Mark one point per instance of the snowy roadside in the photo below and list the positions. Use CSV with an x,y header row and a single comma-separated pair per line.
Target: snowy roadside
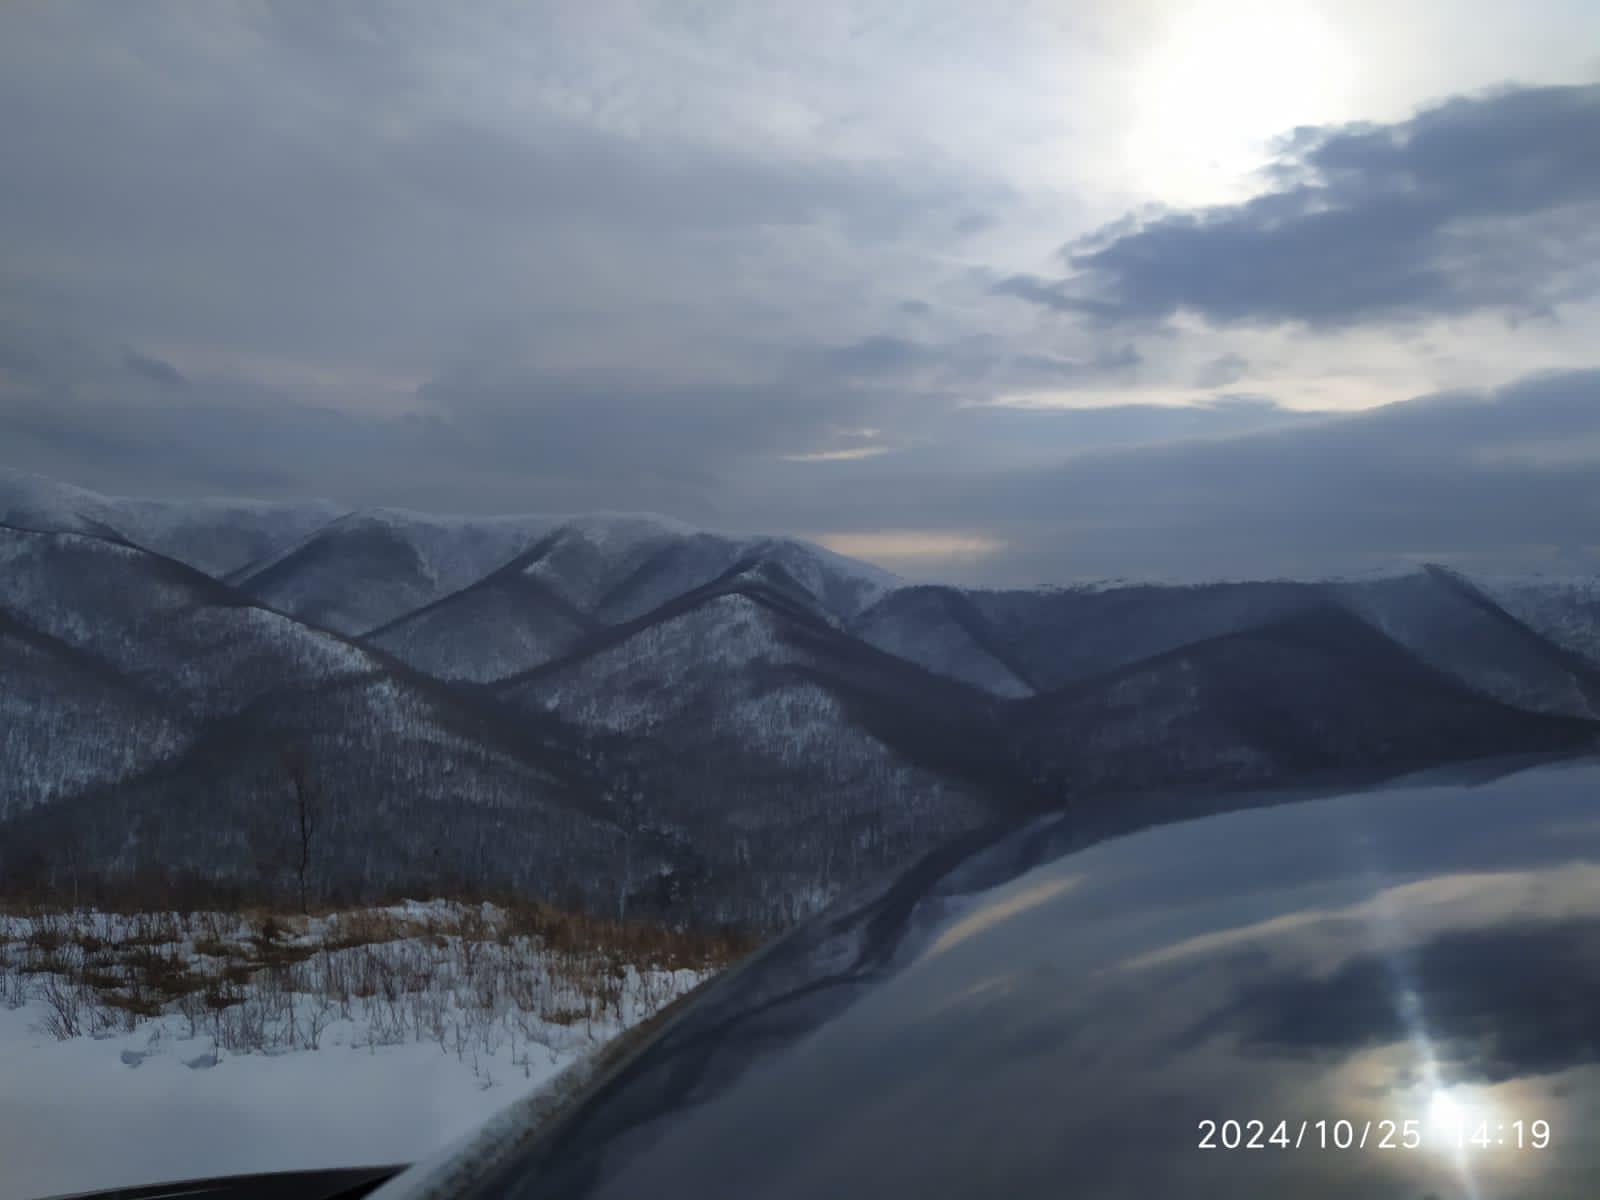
x,y
313,1050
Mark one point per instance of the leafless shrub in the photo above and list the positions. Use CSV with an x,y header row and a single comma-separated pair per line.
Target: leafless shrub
x,y
13,988
64,1007
46,935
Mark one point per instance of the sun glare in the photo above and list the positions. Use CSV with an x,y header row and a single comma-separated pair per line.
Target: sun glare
x,y
1453,1114
1227,77
1445,1111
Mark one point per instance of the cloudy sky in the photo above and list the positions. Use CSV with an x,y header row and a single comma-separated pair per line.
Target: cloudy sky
x,y
1012,291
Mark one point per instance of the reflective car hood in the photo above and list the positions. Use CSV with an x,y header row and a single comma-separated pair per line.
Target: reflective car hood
x,y
1400,981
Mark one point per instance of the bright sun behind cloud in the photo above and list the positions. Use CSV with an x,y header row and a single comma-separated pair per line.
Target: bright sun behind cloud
x,y
1227,77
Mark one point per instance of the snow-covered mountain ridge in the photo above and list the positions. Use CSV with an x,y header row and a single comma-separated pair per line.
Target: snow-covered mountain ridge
x,y
621,712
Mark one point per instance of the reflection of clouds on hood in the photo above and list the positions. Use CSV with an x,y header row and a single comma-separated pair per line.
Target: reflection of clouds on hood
x,y
1500,970
994,911
1322,939
1067,1005
1502,1002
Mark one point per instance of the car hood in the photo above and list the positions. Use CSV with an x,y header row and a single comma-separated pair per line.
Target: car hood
x,y
1064,1008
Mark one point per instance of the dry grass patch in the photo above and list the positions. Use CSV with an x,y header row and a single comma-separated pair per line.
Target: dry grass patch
x,y
477,979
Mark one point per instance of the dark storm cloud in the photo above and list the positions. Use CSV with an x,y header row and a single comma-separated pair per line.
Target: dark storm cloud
x,y
1238,486
477,438
965,362
1051,295
1027,434
974,223
322,187
1483,480
289,204
155,369
129,422
1468,477
483,438
549,421
877,356
1489,203
1221,371
1099,367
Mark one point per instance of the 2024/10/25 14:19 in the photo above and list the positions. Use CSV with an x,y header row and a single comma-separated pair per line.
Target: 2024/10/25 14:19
x,y
1383,1134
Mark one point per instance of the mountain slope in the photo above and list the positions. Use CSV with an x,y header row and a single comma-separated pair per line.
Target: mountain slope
x,y
158,707
68,721
161,625
1450,623
941,629
760,735
840,588
1316,692
505,623
532,609
1013,642
410,790
369,568
1566,611
1060,636
599,573
214,535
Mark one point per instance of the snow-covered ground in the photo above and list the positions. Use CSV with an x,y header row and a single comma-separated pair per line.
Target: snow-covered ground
x,y
450,1031
100,1112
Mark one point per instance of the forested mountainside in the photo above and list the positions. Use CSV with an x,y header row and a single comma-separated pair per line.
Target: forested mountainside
x,y
628,714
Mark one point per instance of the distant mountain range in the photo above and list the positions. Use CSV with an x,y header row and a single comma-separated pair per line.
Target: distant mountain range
x,y
629,714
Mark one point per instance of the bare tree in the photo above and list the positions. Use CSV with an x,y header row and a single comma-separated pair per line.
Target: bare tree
x,y
294,762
